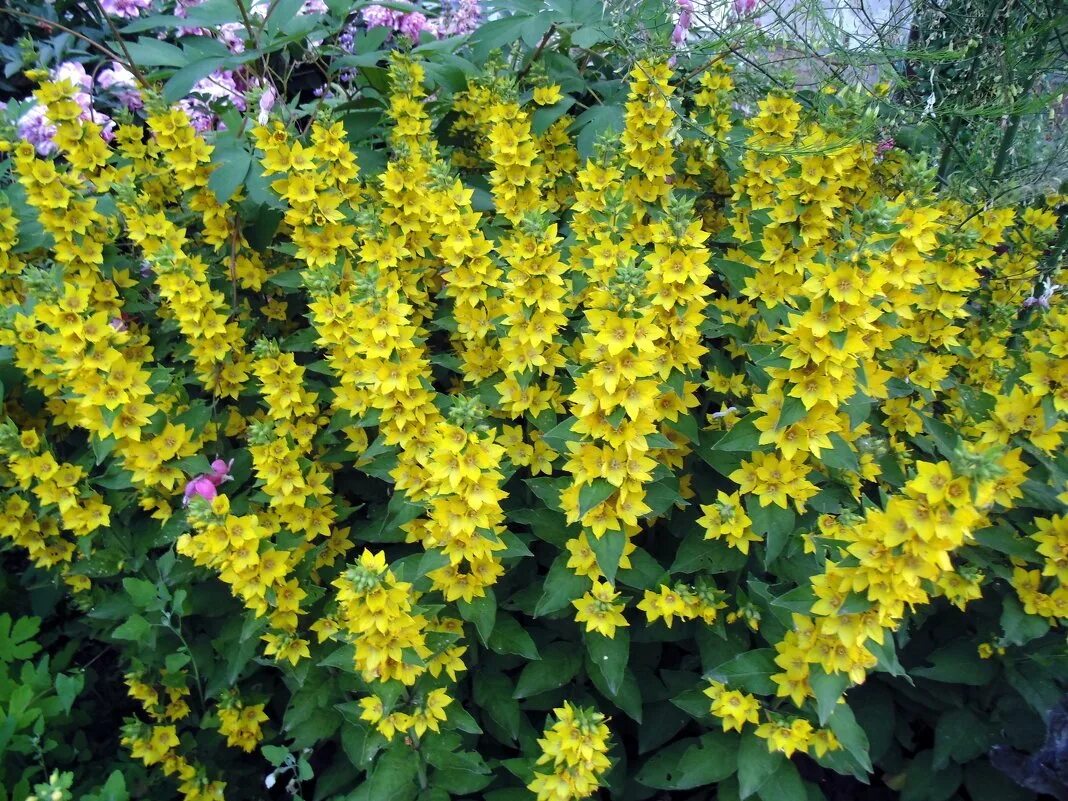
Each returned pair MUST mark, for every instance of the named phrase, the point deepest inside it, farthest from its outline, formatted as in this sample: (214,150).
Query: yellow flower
(547,95)
(598,611)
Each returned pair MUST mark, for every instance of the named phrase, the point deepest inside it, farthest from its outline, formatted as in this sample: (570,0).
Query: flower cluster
(575,750)
(745,390)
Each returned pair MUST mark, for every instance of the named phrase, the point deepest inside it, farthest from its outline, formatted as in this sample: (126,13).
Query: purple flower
(380,17)
(743,8)
(411,25)
(201,486)
(457,18)
(74,72)
(206,484)
(34,127)
(267,101)
(121,82)
(1049,289)
(124,9)
(220,471)
(682,27)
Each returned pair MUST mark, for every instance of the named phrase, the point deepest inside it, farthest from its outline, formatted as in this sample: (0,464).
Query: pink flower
(457,17)
(122,83)
(35,128)
(124,9)
(201,486)
(267,101)
(743,8)
(380,17)
(74,72)
(206,484)
(220,472)
(682,27)
(411,25)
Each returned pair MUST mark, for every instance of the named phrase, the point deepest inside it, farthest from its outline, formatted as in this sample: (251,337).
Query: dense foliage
(506,434)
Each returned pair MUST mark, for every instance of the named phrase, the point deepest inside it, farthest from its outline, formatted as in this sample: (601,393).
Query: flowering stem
(233,263)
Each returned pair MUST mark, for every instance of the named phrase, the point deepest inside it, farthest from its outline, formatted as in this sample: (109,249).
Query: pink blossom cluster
(220,85)
(682,27)
(206,485)
(457,17)
(124,9)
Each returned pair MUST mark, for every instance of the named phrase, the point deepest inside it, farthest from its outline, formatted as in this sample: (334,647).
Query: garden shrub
(708,452)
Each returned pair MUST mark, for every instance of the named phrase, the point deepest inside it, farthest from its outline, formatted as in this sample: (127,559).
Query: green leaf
(274,754)
(358,740)
(696,554)
(16,642)
(958,663)
(735,272)
(461,719)
(609,549)
(393,777)
(589,35)
(558,665)
(181,83)
(493,692)
(233,164)
(946,440)
(849,733)
(1019,627)
(547,115)
(480,611)
(456,782)
(756,764)
(594,494)
(986,783)
(1005,539)
(114,788)
(609,655)
(509,637)
(134,628)
(750,671)
(742,437)
(793,409)
(495,34)
(290,279)
(784,785)
(67,689)
(691,763)
(593,122)
(142,593)
(841,456)
(560,588)
(774,523)
(828,688)
(152,52)
(960,736)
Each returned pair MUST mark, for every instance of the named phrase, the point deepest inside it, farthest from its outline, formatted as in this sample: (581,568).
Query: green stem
(420,763)
(1010,132)
(958,121)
